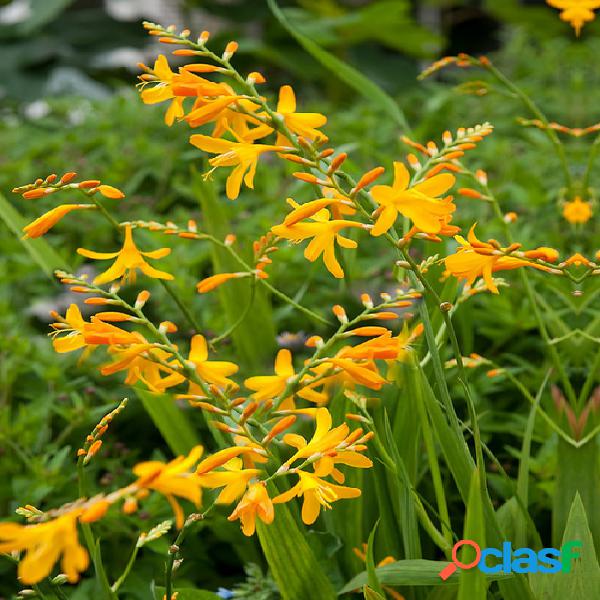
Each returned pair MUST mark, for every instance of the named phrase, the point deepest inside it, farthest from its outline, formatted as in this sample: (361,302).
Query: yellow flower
(325,439)
(80,333)
(213,371)
(303,124)
(418,203)
(167,85)
(256,502)
(317,493)
(173,479)
(480,259)
(234,480)
(44,544)
(325,234)
(577,211)
(242,155)
(137,359)
(129,258)
(270,386)
(48,220)
(576,12)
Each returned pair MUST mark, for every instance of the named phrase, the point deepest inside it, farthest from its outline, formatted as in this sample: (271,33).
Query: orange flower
(44,544)
(418,203)
(242,155)
(303,124)
(256,502)
(129,258)
(576,12)
(480,259)
(577,211)
(48,220)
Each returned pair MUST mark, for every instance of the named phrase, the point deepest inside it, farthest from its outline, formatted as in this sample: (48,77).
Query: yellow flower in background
(576,12)
(255,503)
(475,258)
(577,211)
(317,493)
(304,124)
(175,479)
(242,155)
(419,203)
(213,371)
(45,544)
(129,258)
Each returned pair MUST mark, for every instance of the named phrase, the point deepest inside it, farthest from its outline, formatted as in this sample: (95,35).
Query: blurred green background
(68,102)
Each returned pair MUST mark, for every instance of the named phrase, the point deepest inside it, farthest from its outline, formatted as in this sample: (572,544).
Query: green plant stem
(554,356)
(119,582)
(462,376)
(535,110)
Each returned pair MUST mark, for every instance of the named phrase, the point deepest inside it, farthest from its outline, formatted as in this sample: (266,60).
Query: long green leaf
(169,420)
(374,584)
(583,581)
(291,561)
(411,572)
(472,583)
(39,249)
(344,71)
(254,338)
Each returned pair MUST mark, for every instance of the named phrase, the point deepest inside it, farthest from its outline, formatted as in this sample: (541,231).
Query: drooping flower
(255,503)
(242,155)
(324,231)
(44,544)
(576,12)
(48,220)
(577,211)
(419,203)
(318,493)
(304,124)
(175,479)
(129,258)
(211,371)
(475,258)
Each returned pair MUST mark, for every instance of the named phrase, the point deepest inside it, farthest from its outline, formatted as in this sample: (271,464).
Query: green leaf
(169,420)
(472,583)
(344,71)
(254,337)
(411,572)
(370,594)
(39,249)
(372,575)
(187,594)
(291,561)
(583,581)
(578,474)
(42,12)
